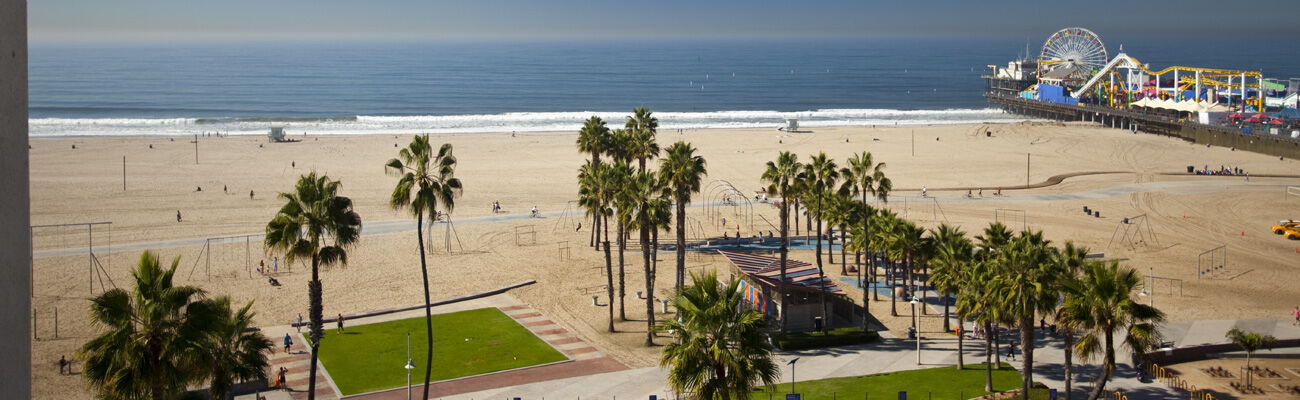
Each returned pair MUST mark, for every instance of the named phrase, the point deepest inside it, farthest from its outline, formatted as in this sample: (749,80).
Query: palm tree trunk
(1027,350)
(844,268)
(947,327)
(961,347)
(315,311)
(1069,363)
(622,246)
(649,286)
(866,301)
(155,379)
(989,351)
(1107,368)
(785,232)
(428,313)
(890,274)
(609,277)
(997,342)
(821,274)
(681,242)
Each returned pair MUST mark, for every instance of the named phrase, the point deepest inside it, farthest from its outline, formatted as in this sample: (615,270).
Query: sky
(273,20)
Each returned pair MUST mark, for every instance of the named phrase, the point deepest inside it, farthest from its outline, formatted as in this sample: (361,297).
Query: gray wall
(15,217)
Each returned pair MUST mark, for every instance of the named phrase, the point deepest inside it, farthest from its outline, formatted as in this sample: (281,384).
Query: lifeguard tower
(276,134)
(791,125)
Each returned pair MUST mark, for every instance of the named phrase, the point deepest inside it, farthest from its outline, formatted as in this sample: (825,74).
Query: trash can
(1191,169)
(1086,210)
(817,324)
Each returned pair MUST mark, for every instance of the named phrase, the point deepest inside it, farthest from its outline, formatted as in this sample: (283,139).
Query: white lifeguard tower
(276,134)
(791,124)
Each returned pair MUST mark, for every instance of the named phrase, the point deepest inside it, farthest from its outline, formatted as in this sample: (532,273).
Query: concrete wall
(15,217)
(1263,144)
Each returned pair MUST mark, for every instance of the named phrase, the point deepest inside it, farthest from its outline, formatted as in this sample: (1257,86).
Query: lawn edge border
(569,360)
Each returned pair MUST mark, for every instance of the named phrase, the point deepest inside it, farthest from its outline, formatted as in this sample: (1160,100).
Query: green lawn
(370,357)
(935,383)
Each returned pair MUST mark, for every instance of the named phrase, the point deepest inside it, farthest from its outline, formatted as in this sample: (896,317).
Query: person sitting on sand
(272,281)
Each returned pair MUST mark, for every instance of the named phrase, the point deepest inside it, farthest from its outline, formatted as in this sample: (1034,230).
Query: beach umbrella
(1276,122)
(1234,115)
(1260,116)
(1252,120)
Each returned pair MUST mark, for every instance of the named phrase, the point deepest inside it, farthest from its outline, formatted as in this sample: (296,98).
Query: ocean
(472,87)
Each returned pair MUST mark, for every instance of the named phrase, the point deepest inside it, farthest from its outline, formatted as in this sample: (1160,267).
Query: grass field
(934,383)
(370,357)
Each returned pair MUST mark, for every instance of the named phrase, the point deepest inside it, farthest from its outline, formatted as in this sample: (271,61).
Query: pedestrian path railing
(1171,380)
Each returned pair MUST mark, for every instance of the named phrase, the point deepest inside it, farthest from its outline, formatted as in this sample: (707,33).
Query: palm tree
(858,243)
(952,254)
(718,351)
(624,206)
(841,212)
(1073,258)
(887,238)
(427,182)
(594,138)
(642,127)
(1100,303)
(588,198)
(646,190)
(782,177)
(682,170)
(312,213)
(596,191)
(1250,342)
(1026,282)
(864,176)
(976,300)
(235,351)
(909,242)
(820,175)
(153,335)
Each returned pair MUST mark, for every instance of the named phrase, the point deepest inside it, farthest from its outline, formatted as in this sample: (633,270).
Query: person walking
(1011,349)
(1296,313)
(63,364)
(340,322)
(287,342)
(299,324)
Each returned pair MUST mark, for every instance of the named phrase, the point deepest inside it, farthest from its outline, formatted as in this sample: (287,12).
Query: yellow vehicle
(1288,228)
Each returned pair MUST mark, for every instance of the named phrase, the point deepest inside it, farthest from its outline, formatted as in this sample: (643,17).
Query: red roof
(767,270)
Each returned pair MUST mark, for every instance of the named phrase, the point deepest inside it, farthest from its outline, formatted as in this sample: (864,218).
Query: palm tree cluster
(638,197)
(827,193)
(161,338)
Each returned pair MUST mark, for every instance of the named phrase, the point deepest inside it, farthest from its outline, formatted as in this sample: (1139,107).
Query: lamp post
(409,366)
(791,364)
(1151,297)
(917,332)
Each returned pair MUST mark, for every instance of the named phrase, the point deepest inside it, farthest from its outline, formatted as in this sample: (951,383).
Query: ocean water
(469,87)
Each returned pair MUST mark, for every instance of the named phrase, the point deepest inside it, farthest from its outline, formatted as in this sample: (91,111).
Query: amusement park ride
(1074,67)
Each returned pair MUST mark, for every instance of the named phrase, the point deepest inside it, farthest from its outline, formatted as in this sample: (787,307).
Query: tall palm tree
(820,175)
(977,300)
(234,351)
(952,254)
(588,198)
(596,187)
(427,182)
(1100,304)
(312,213)
(783,176)
(858,243)
(646,190)
(594,138)
(683,171)
(624,208)
(718,351)
(1073,258)
(909,242)
(887,239)
(1250,342)
(1027,270)
(863,176)
(152,337)
(841,212)
(642,127)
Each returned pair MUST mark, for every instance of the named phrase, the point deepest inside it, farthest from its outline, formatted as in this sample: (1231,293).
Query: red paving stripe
(513,308)
(567,340)
(526,315)
(551,332)
(506,379)
(580,350)
(301,391)
(539,323)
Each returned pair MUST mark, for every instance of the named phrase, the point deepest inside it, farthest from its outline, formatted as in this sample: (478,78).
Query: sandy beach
(1146,176)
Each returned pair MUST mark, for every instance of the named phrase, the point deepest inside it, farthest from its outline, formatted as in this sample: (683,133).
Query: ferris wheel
(1077,48)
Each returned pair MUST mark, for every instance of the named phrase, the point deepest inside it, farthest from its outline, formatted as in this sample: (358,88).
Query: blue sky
(184,20)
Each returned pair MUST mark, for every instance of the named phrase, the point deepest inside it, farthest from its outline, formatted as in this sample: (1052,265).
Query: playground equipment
(450,238)
(227,248)
(1134,231)
(569,217)
(67,233)
(1009,215)
(936,212)
(1212,263)
(525,235)
(723,200)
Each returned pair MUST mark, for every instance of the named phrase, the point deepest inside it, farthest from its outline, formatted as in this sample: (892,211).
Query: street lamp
(1151,298)
(409,366)
(917,332)
(791,364)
